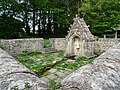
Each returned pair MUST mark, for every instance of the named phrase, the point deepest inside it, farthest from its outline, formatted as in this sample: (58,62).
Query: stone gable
(80,29)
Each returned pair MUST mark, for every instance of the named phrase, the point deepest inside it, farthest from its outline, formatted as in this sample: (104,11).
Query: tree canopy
(52,18)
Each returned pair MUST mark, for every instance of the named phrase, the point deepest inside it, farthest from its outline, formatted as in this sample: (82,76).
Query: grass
(47,61)
(2,47)
(47,43)
(81,61)
(53,85)
(26,87)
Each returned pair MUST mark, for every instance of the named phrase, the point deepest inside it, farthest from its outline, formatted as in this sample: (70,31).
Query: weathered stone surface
(18,46)
(86,48)
(78,34)
(58,43)
(14,75)
(52,76)
(103,74)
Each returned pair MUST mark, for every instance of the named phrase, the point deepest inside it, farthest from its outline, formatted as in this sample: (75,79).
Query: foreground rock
(14,76)
(103,74)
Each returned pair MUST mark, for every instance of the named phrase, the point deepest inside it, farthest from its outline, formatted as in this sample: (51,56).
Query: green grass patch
(53,85)
(60,53)
(47,61)
(81,61)
(47,43)
(2,47)
(26,53)
(41,63)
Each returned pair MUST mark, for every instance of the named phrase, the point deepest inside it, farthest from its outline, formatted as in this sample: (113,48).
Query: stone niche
(78,34)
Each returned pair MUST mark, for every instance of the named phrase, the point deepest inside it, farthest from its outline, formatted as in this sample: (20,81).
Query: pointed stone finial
(74,19)
(76,15)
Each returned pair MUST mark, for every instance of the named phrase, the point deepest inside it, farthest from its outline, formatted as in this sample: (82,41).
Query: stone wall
(105,44)
(102,45)
(13,75)
(17,46)
(103,74)
(89,48)
(58,43)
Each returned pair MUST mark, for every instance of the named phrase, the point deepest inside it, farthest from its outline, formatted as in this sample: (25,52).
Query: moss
(47,43)
(2,47)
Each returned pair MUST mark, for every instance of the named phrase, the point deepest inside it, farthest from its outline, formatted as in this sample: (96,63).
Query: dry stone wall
(103,74)
(18,46)
(14,76)
(89,48)
(94,47)
(58,43)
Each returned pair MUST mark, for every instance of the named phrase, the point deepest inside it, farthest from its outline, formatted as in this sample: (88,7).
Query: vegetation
(2,47)
(27,87)
(41,63)
(53,17)
(103,16)
(47,43)
(38,62)
(10,28)
(81,61)
(53,85)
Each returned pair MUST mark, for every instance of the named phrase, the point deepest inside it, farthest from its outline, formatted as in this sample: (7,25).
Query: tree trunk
(33,21)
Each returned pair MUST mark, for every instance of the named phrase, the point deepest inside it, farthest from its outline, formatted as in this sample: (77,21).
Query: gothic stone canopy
(80,29)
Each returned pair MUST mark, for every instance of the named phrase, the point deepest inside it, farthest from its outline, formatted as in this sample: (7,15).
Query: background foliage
(52,18)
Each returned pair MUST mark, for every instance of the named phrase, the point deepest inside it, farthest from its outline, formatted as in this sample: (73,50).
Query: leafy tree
(101,15)
(10,28)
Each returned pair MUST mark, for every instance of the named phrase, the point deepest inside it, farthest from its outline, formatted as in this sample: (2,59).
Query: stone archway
(76,45)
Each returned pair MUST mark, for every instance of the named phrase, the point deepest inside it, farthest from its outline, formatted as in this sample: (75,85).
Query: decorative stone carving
(78,33)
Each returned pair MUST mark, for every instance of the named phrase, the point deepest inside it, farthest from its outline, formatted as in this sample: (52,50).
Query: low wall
(105,44)
(13,75)
(89,48)
(103,74)
(17,46)
(102,45)
(58,43)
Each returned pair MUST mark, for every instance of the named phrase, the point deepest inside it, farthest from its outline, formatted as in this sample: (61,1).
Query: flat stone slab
(52,70)
(45,79)
(52,76)
(61,73)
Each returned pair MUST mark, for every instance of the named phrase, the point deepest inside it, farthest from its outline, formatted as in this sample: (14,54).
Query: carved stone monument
(78,34)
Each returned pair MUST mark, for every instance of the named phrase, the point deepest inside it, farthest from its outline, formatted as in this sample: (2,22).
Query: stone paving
(58,66)
(56,75)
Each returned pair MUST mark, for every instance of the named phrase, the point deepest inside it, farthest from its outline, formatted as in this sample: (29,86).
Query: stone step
(49,50)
